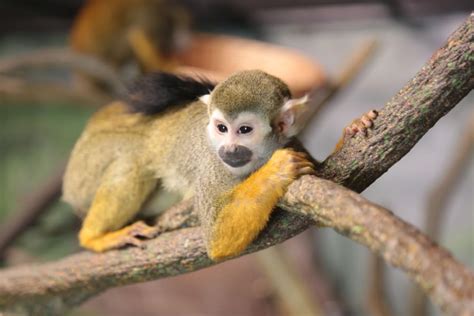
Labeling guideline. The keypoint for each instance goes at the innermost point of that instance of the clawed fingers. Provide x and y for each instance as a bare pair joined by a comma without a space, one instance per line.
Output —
140,229
305,170
125,240
361,125
373,114
299,155
290,164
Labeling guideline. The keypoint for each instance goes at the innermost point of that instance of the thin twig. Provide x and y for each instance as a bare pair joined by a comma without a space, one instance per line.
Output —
377,302
328,295
20,91
289,287
64,57
33,206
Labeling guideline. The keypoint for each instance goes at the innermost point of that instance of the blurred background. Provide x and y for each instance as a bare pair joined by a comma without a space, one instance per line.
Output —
43,110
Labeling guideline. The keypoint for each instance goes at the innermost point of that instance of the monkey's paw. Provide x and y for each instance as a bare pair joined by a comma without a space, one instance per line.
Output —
288,165
361,124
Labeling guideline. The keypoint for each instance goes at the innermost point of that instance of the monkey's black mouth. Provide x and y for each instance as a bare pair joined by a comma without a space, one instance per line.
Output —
237,157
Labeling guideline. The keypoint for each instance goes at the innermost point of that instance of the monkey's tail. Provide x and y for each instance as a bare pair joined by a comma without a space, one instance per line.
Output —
159,91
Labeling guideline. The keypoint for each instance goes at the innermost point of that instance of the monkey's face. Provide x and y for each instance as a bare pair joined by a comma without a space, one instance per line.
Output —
243,143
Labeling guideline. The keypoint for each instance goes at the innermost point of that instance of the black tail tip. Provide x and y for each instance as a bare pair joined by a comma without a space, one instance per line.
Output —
156,92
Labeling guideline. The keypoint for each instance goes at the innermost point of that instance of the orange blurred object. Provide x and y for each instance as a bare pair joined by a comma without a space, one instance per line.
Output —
218,56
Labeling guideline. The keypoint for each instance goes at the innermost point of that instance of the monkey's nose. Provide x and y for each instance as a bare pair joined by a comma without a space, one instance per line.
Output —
235,155
232,148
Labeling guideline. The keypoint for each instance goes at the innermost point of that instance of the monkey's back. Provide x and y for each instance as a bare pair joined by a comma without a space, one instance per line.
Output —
116,138
109,134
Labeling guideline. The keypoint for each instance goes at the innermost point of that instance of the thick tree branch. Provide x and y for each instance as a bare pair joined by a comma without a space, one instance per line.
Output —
442,82
437,88
449,284
438,199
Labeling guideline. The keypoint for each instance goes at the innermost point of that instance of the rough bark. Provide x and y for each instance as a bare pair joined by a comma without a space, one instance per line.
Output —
447,282
442,82
437,88
437,202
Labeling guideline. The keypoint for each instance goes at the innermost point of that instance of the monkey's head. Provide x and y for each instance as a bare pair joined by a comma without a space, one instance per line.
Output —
251,114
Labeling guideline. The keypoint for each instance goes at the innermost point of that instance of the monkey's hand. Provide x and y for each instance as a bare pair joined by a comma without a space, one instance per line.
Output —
286,165
359,125
245,210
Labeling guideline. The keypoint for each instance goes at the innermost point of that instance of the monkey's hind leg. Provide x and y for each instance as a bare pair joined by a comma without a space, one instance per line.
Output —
116,202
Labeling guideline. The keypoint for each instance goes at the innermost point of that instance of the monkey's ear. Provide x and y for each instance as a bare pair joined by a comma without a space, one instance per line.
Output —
206,99
293,116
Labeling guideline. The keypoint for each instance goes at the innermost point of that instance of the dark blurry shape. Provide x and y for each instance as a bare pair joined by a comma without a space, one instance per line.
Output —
377,302
33,207
174,91
438,199
54,15
218,16
31,15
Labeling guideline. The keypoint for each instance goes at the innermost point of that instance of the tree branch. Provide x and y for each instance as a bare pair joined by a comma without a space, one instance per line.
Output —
442,82
436,89
437,202
449,284
64,57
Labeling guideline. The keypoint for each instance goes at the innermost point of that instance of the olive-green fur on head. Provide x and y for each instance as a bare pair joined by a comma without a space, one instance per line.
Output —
250,90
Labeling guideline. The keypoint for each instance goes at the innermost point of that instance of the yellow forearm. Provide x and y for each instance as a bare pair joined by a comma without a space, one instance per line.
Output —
246,213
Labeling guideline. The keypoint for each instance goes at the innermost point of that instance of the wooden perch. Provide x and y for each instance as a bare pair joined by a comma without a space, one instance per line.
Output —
436,89
64,57
15,90
438,198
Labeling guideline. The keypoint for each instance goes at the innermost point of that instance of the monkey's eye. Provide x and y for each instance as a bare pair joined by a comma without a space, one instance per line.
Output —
245,129
222,128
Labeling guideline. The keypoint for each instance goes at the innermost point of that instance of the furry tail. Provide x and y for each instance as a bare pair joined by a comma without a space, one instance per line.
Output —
159,91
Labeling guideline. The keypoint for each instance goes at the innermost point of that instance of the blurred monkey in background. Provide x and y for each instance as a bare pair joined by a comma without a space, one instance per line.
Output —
131,36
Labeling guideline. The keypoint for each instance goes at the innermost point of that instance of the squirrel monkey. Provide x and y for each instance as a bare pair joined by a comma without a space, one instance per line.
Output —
228,149
123,32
